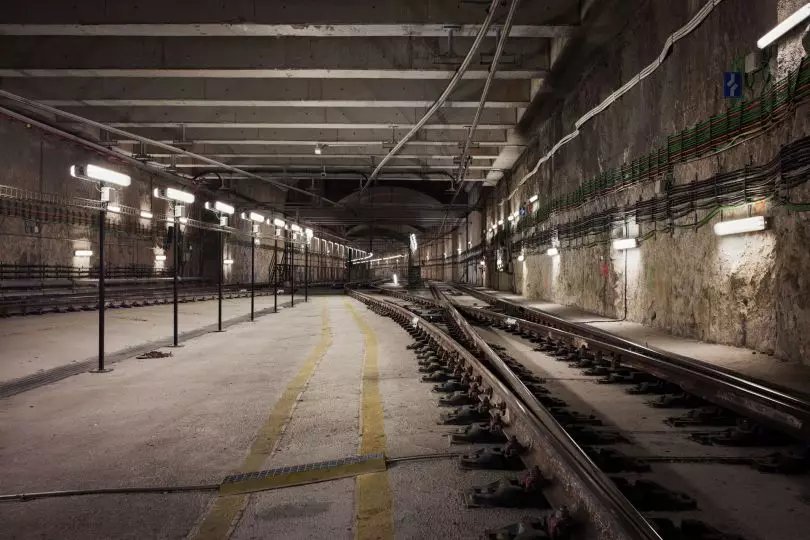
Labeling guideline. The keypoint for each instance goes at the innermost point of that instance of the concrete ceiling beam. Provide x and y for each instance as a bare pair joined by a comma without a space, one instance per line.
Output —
280,30
73,89
301,126
261,73
292,115
309,137
303,13
310,103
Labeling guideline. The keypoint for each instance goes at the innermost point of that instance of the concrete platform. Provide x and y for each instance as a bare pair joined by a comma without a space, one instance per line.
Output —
37,343
747,362
325,380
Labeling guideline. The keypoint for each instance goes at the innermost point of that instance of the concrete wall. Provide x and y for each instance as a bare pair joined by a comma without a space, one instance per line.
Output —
747,290
39,163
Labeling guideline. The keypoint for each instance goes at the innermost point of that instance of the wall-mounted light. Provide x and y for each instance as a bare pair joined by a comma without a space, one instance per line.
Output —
253,216
318,149
533,198
146,214
221,207
625,243
83,253
552,252
94,173
737,226
227,262
784,27
172,194
160,258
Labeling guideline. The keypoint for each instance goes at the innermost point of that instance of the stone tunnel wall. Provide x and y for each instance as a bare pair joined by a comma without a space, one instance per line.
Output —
31,235
746,290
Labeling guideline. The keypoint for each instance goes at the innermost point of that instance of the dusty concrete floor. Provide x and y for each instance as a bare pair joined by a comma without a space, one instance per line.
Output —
41,342
750,363
191,419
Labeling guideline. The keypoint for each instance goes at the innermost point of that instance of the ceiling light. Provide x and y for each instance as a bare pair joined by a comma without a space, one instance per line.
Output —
228,262
160,258
510,217
113,208
220,207
784,27
521,257
318,149
552,252
183,220
500,222
296,227
83,253
625,243
534,198
94,173
146,214
173,194
279,222
737,226
309,233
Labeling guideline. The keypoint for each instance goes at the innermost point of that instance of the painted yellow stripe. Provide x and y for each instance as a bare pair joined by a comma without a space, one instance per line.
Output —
223,513
372,495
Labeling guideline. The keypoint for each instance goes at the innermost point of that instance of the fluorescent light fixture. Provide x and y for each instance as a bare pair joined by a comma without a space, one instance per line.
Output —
113,208
146,214
533,198
220,207
309,233
552,252
296,227
160,258
227,262
279,222
738,226
784,27
83,253
94,173
625,243
173,194
255,216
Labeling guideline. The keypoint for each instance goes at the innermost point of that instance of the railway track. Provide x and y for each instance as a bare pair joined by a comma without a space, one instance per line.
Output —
502,402
124,298
574,448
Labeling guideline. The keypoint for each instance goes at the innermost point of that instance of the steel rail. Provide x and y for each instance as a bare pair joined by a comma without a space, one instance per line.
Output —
780,408
604,492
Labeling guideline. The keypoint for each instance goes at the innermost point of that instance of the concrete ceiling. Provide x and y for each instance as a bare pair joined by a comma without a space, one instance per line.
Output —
260,85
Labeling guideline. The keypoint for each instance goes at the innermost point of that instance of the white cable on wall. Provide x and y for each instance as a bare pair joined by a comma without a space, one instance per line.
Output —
679,34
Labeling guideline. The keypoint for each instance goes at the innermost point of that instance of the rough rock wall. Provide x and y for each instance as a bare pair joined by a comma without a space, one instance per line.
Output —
749,290
37,162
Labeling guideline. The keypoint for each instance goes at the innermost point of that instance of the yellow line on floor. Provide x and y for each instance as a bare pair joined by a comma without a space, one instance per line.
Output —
372,494
222,515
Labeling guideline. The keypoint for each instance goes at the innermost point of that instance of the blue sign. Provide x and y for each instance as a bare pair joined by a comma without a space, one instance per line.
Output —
733,85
